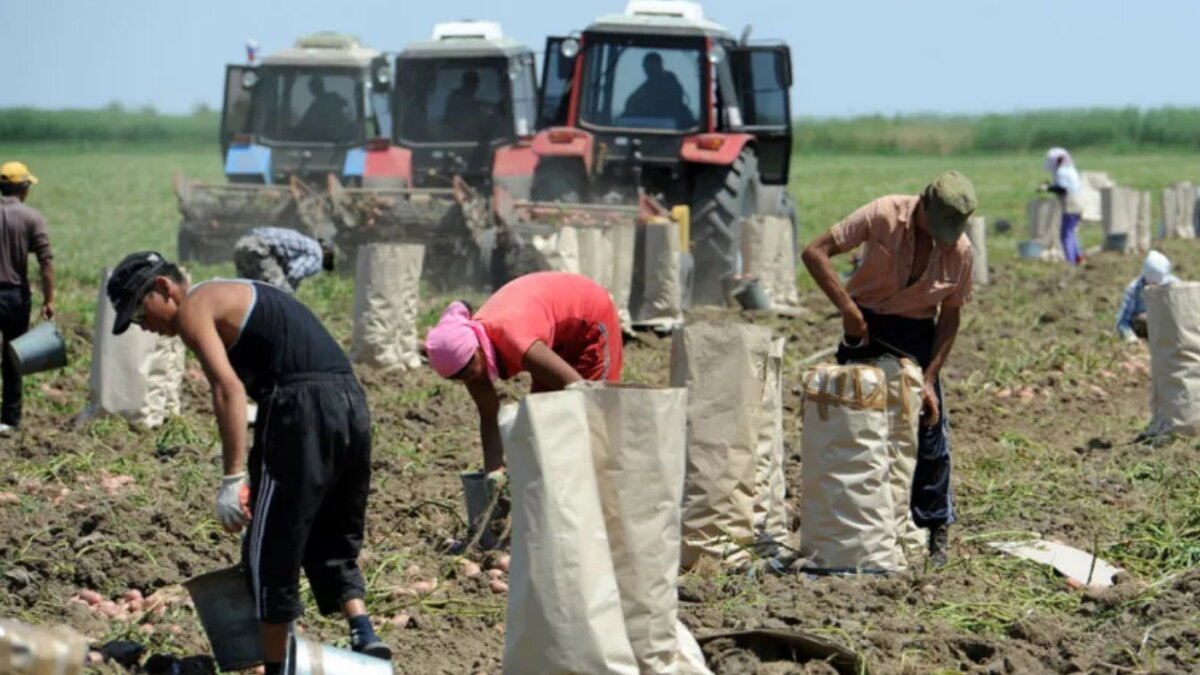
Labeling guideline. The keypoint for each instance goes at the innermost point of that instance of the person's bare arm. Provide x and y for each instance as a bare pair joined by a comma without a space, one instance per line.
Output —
198,329
487,401
548,368
943,341
817,257
46,267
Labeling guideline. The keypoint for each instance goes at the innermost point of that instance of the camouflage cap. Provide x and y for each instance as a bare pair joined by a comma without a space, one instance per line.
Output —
949,201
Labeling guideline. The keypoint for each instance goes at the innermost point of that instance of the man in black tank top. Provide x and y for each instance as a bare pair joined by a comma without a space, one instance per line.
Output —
310,464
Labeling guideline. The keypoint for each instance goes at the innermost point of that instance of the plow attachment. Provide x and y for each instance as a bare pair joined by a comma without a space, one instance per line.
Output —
215,216
636,252
453,224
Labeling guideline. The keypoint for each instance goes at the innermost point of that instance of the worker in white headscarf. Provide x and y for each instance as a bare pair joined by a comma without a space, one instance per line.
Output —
1131,320
1066,184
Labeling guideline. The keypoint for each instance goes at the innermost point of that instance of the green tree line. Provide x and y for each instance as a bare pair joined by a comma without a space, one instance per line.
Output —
1108,128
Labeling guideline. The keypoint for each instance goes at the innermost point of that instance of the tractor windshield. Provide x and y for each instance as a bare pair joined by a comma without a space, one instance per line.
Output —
309,106
453,100
632,84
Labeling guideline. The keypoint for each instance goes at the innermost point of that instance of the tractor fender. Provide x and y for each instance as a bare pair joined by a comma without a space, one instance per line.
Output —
720,149
246,161
391,167
565,142
512,169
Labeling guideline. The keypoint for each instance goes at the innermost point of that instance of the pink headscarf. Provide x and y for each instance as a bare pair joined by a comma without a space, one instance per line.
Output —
452,342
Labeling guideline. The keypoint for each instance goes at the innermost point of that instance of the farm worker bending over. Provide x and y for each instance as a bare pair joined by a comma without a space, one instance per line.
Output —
906,298
1066,184
310,465
1131,320
281,257
562,328
22,231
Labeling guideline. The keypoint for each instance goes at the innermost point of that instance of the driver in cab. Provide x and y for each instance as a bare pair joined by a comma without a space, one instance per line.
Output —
328,116
660,95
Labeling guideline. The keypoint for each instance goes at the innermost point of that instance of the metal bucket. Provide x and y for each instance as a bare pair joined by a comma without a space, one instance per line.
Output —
752,295
1117,241
1030,249
226,611
39,349
476,498
305,657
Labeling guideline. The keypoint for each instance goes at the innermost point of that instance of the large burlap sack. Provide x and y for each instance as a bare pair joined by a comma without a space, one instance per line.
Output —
36,650
722,365
1144,233
1179,206
977,234
564,606
137,375
770,506
1045,226
655,297
386,290
1121,206
904,383
1173,318
847,516
1091,183
639,447
769,253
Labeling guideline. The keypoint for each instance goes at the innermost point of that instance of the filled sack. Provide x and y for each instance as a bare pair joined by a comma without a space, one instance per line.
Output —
136,375
386,290
1173,321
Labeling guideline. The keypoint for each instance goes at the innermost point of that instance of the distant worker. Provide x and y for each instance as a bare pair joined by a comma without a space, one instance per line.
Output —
1065,183
22,231
562,328
906,299
310,461
1131,319
660,95
462,108
281,257
328,116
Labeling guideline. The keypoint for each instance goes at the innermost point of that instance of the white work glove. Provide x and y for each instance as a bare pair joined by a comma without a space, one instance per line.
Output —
1128,335
231,508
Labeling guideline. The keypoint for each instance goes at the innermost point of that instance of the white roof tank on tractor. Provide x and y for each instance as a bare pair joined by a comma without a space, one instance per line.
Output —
660,17
326,48
466,38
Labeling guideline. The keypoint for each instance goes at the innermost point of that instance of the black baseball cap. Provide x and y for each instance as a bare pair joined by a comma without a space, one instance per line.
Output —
130,281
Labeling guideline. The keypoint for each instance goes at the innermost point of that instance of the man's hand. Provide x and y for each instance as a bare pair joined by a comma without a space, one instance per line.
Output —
854,326
931,413
48,311
233,503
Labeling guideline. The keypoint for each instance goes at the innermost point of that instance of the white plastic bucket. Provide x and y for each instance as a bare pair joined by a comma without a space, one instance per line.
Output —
306,657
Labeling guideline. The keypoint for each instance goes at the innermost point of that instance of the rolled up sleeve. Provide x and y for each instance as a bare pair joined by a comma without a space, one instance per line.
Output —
855,228
39,240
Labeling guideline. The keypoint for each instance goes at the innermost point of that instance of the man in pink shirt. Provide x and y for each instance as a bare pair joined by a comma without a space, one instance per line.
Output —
906,298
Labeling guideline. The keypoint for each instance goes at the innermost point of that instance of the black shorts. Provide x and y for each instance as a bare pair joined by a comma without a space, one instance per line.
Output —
310,473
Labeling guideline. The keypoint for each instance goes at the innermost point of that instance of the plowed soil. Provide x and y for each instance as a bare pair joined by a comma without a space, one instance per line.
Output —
1044,404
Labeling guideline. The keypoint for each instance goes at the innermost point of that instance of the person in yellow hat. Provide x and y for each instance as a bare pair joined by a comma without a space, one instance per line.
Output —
22,231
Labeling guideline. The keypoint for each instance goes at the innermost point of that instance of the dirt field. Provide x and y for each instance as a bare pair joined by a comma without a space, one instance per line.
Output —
1044,405
1043,401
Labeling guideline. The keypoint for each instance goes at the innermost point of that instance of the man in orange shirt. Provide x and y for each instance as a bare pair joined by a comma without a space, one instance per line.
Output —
562,328
906,298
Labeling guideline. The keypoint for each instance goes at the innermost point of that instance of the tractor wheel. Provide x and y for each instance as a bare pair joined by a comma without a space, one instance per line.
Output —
559,181
722,197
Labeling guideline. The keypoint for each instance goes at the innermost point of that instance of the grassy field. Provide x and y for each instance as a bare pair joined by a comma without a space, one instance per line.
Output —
1043,401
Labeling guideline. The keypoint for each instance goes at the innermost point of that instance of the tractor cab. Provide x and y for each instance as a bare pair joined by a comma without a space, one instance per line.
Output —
305,111
459,97
662,101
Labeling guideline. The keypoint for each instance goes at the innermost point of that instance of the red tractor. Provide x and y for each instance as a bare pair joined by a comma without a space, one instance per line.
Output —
663,102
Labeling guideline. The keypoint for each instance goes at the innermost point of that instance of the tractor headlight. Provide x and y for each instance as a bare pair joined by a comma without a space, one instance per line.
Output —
383,76
716,54
569,48
249,79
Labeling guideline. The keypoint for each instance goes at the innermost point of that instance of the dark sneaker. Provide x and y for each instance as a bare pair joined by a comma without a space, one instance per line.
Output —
939,545
376,648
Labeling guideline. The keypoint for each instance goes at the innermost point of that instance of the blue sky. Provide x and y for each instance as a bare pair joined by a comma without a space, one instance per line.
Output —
851,57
